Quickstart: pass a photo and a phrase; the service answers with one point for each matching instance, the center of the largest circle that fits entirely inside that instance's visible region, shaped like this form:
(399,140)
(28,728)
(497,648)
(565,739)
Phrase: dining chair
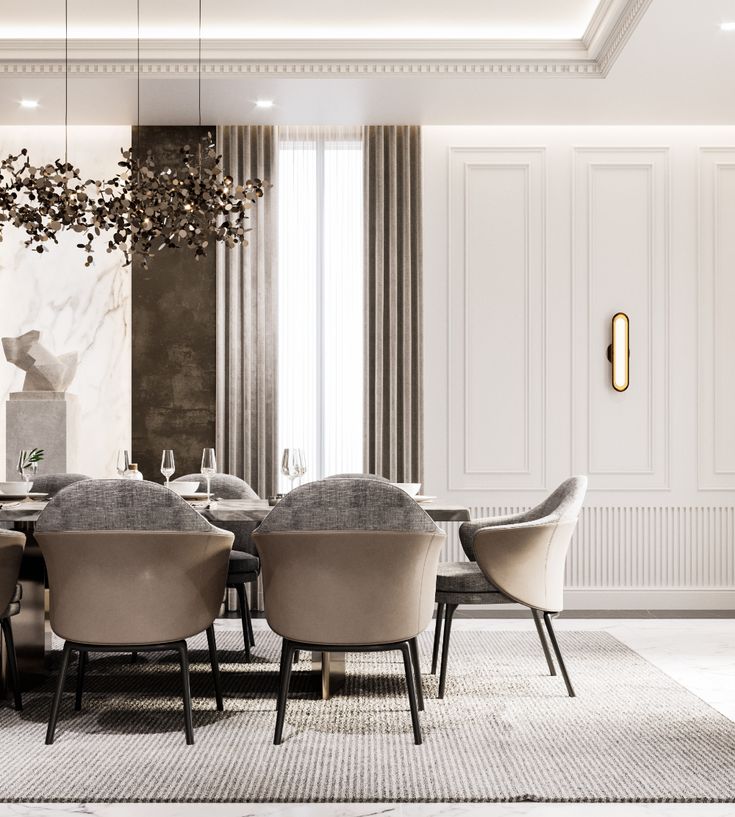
(11,592)
(51,484)
(131,568)
(244,564)
(517,558)
(349,565)
(375,477)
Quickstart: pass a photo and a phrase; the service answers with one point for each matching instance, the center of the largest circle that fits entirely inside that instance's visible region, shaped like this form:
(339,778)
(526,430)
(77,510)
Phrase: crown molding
(591,56)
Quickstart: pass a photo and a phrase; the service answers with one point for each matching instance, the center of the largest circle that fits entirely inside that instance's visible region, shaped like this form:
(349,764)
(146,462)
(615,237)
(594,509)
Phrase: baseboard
(638,599)
(650,598)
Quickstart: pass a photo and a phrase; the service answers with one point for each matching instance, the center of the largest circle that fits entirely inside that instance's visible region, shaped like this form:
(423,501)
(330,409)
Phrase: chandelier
(139,211)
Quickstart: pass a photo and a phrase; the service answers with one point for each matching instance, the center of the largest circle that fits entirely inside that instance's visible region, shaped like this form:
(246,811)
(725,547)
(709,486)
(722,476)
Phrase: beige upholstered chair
(517,558)
(349,565)
(375,477)
(131,567)
(11,553)
(244,565)
(51,484)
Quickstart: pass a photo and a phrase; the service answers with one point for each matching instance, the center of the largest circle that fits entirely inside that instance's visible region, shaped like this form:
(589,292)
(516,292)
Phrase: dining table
(31,629)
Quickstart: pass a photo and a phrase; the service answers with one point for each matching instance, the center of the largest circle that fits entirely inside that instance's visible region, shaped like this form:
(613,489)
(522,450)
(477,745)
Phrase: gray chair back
(224,486)
(11,553)
(375,477)
(130,562)
(51,484)
(563,504)
(348,561)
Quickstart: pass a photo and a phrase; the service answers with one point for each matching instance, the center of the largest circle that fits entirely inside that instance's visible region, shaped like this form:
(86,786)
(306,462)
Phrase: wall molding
(531,475)
(712,161)
(654,161)
(591,56)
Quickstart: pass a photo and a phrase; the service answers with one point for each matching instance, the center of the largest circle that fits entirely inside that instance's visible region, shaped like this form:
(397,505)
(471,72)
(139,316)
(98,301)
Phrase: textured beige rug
(506,731)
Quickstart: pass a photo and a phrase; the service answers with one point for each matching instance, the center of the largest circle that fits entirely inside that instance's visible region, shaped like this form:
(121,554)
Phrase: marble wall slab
(77,309)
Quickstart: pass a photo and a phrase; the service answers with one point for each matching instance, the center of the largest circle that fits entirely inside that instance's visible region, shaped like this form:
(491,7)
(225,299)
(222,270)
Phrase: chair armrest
(526,561)
(468,530)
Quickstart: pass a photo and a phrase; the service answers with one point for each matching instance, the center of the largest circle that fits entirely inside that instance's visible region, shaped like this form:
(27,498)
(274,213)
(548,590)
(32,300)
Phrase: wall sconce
(618,352)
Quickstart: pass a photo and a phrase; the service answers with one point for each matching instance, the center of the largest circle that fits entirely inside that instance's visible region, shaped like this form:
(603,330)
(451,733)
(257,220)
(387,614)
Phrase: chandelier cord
(66,81)
(137,75)
(200,63)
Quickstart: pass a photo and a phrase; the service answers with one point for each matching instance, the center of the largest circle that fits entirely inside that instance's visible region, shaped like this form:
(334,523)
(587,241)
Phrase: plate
(17,497)
(421,498)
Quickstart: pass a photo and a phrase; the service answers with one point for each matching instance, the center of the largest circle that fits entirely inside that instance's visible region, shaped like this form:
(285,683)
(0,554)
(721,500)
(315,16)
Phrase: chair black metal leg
(287,651)
(445,647)
(7,629)
(244,616)
(133,657)
(296,656)
(542,639)
(437,637)
(211,641)
(81,666)
(54,715)
(249,619)
(406,651)
(186,689)
(414,645)
(557,652)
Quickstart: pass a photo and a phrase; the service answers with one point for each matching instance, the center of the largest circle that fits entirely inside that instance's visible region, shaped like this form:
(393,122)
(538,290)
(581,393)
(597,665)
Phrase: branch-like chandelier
(140,210)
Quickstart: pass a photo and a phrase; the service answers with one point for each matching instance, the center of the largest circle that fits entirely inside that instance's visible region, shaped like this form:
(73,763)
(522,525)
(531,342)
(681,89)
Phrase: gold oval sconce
(618,352)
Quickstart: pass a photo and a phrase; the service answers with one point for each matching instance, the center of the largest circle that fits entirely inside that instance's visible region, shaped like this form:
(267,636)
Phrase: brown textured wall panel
(173,335)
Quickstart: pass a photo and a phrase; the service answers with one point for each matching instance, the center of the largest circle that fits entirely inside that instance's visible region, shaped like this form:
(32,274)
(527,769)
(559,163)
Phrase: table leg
(330,668)
(29,626)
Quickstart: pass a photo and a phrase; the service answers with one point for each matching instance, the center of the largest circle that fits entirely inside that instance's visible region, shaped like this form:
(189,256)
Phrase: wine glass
(293,464)
(122,463)
(168,466)
(209,466)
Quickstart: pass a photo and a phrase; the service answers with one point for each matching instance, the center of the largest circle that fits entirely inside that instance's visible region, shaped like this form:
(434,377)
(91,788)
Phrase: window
(320,292)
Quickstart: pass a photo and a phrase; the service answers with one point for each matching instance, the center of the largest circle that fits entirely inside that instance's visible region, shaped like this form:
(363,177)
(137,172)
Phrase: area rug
(506,731)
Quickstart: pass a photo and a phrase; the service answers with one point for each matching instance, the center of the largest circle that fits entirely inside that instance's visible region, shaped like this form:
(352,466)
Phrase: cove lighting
(729,26)
(264,103)
(29,103)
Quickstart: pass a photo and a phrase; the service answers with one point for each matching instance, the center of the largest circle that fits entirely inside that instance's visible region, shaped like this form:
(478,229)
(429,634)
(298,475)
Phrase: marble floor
(698,653)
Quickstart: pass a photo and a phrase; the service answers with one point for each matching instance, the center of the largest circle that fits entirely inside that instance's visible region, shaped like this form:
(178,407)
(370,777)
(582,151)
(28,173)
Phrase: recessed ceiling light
(729,26)
(264,103)
(29,103)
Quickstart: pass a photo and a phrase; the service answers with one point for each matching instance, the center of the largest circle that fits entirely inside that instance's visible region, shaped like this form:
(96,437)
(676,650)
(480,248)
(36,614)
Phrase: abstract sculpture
(44,370)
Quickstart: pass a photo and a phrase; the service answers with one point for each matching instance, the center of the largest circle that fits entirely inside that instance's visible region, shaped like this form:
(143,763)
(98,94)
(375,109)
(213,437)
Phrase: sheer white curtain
(320,297)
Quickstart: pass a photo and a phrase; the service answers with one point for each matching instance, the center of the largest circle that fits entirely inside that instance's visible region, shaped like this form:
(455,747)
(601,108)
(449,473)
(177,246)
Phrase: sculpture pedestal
(42,419)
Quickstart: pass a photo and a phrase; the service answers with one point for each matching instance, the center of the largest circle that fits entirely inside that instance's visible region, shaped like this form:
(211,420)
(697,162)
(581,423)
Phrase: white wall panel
(635,219)
(716,419)
(496,318)
(620,237)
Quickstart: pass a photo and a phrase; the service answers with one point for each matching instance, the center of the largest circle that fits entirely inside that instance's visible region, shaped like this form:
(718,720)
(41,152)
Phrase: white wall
(533,239)
(77,309)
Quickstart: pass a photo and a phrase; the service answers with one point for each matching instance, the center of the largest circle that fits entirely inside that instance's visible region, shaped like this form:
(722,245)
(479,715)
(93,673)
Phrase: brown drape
(393,303)
(247,374)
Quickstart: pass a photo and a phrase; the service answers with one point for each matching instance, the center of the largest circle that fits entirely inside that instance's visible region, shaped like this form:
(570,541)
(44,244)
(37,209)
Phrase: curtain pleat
(247,327)
(393,303)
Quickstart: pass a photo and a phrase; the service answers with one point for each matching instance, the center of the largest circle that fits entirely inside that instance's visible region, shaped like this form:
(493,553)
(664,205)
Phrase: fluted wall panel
(641,547)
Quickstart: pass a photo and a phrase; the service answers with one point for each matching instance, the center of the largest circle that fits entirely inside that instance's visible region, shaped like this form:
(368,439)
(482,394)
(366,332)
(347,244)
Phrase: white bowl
(15,487)
(411,488)
(184,487)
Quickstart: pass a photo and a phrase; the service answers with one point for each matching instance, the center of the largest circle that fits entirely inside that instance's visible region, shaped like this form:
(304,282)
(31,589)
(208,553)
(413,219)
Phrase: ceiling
(234,19)
(429,62)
